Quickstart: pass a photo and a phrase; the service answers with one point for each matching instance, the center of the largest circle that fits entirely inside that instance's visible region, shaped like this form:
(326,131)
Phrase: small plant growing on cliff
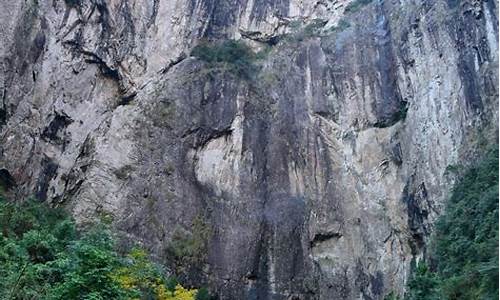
(313,28)
(356,5)
(190,247)
(235,55)
(342,25)
(300,33)
(400,115)
(73,3)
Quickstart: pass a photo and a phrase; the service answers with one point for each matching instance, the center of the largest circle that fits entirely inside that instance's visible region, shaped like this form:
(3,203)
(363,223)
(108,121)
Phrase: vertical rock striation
(317,177)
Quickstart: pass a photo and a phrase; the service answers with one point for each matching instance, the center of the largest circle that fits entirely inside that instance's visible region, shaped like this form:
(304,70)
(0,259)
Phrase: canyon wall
(317,176)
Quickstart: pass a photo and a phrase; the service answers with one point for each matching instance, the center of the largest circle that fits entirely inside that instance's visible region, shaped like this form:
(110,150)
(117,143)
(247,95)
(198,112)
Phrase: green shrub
(203,294)
(235,55)
(313,28)
(398,116)
(73,3)
(301,33)
(190,247)
(342,25)
(356,5)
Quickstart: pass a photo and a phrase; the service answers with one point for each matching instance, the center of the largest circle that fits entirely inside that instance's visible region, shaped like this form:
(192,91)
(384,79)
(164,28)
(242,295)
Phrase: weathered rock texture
(318,177)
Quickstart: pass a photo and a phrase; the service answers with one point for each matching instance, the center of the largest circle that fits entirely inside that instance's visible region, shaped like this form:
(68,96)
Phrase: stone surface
(318,177)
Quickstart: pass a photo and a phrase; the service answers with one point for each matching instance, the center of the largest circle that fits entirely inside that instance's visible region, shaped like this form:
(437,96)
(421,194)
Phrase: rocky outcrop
(317,177)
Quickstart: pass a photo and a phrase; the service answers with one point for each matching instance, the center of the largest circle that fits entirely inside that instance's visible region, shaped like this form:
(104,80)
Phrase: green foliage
(392,296)
(342,25)
(85,269)
(189,248)
(234,55)
(423,285)
(400,115)
(454,169)
(356,5)
(295,24)
(465,244)
(466,241)
(73,3)
(171,283)
(140,276)
(301,33)
(43,256)
(203,294)
(313,28)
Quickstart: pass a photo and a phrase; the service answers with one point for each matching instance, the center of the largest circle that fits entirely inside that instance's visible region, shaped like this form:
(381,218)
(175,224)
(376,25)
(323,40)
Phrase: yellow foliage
(162,292)
(125,280)
(180,293)
(141,274)
(138,254)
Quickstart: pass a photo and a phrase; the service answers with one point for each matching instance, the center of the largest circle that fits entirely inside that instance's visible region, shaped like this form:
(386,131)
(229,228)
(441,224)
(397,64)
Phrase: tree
(44,256)
(464,246)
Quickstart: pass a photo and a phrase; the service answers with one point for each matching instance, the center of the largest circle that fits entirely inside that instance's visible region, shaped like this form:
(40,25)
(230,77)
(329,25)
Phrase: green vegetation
(44,256)
(356,5)
(342,25)
(400,115)
(424,285)
(464,249)
(301,33)
(313,28)
(454,169)
(189,248)
(73,3)
(392,296)
(234,55)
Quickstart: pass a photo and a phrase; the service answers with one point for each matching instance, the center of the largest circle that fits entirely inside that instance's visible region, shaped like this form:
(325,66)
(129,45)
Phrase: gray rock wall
(317,177)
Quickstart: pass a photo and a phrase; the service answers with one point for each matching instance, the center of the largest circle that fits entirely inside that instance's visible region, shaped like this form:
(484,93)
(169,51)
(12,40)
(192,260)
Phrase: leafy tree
(44,256)
(465,244)
(424,285)
(141,276)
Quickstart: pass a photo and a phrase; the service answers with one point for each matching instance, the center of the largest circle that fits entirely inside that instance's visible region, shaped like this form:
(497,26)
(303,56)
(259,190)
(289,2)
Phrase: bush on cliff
(235,55)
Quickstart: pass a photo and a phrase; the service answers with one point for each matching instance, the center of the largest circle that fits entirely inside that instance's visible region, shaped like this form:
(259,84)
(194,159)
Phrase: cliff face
(317,177)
